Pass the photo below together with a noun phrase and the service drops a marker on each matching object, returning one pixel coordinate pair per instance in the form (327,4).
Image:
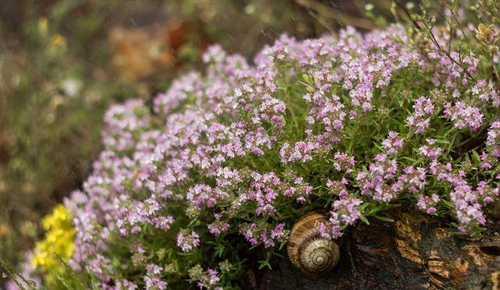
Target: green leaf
(476,157)
(384,218)
(364,219)
(264,264)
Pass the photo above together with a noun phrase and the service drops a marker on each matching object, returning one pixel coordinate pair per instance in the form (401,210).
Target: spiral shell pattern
(308,250)
(319,255)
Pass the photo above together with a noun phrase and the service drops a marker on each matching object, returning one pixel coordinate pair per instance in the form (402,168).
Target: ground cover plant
(63,62)
(206,181)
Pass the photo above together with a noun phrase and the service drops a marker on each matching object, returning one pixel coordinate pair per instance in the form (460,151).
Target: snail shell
(308,250)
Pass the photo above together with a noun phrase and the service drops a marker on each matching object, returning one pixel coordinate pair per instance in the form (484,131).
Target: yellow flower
(56,249)
(485,33)
(4,230)
(58,41)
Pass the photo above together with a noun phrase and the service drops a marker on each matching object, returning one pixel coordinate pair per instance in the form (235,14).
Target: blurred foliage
(62,62)
(52,98)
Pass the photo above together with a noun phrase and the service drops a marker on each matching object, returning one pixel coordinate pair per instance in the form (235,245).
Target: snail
(310,252)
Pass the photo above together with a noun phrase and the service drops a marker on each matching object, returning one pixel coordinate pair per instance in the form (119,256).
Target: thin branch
(407,13)
(327,12)
(13,275)
(433,39)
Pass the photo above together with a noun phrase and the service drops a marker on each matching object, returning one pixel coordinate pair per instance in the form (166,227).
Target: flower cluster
(256,235)
(205,279)
(153,280)
(464,116)
(344,162)
(420,120)
(235,154)
(188,241)
(57,246)
(428,203)
(345,212)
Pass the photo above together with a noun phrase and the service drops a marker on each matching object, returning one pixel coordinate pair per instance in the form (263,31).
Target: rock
(411,253)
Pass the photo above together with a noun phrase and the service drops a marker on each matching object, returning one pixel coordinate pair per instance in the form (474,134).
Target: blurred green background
(63,62)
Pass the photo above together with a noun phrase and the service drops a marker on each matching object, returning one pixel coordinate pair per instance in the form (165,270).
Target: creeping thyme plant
(208,179)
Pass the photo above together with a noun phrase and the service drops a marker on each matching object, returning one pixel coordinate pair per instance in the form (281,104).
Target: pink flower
(393,144)
(420,120)
(429,150)
(187,241)
(464,116)
(344,162)
(345,212)
(218,227)
(153,279)
(428,203)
